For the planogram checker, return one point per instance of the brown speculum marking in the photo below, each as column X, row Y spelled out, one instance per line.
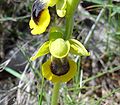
column 59, row 67
column 37, row 9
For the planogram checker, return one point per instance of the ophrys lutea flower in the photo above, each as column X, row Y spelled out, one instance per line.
column 60, row 68
column 40, row 16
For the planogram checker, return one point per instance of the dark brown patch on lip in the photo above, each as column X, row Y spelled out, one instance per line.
column 59, row 68
column 37, row 9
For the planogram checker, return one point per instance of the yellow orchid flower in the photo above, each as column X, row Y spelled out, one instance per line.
column 40, row 17
column 59, row 68
column 38, row 27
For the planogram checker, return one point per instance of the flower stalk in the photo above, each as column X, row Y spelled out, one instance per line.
column 71, row 7
column 55, row 94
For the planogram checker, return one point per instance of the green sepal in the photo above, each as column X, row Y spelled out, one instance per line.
column 61, row 7
column 59, row 48
column 77, row 48
column 55, row 33
column 44, row 49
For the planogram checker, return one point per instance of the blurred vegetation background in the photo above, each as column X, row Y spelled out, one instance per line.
column 97, row 26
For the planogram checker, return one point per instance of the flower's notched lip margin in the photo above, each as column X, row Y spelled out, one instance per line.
column 37, row 9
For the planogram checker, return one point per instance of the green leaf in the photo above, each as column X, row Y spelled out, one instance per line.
column 14, row 73
column 59, row 48
column 61, row 8
column 77, row 48
column 44, row 49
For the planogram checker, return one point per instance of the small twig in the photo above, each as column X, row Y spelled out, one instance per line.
column 106, row 96
column 13, row 19
column 93, row 26
column 101, row 61
column 2, row 38
column 4, row 64
column 101, row 74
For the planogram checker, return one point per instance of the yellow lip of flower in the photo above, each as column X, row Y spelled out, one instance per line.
column 47, row 73
column 40, row 18
column 42, row 23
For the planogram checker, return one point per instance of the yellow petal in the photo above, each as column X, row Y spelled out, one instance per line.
column 40, row 27
column 46, row 72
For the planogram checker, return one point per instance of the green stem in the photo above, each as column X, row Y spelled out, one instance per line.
column 71, row 7
column 55, row 93
column 69, row 27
